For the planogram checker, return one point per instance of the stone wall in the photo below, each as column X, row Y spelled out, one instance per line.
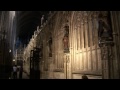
column 80, row 53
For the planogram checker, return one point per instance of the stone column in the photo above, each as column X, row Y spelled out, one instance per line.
column 106, row 44
column 115, row 19
column 67, row 70
column 107, row 58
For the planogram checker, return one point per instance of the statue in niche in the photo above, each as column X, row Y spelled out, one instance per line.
column 42, row 20
column 104, row 30
column 50, row 46
column 66, row 39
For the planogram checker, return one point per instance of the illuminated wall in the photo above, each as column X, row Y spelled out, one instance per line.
column 83, row 55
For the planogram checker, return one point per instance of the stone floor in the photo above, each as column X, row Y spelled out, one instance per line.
column 25, row 76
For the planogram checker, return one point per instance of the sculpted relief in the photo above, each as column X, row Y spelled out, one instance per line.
column 66, row 39
column 104, row 29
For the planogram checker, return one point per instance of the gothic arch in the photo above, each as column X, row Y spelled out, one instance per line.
column 85, row 56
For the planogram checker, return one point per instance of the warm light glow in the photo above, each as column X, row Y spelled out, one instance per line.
column 13, row 60
column 9, row 50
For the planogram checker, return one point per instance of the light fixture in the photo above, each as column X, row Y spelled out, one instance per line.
column 10, row 50
column 13, row 60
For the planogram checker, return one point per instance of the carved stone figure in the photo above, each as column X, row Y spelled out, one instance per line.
column 66, row 39
column 42, row 19
column 104, row 30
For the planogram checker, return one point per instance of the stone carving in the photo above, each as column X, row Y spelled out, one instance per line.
column 104, row 53
column 42, row 20
column 107, row 57
column 104, row 30
column 105, row 42
column 66, row 39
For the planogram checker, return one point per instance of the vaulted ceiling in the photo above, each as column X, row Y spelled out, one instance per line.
column 27, row 22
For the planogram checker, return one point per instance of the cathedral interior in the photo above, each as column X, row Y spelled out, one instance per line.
column 60, row 44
